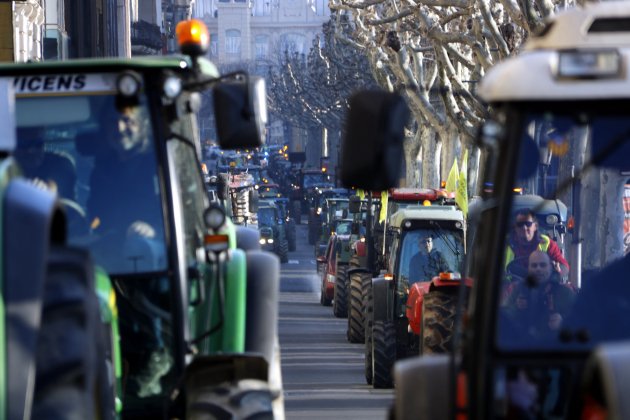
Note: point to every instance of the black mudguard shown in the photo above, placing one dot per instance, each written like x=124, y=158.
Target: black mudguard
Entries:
x=383, y=309
x=263, y=291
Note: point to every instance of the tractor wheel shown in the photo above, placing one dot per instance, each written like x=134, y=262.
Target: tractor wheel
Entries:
x=323, y=300
x=296, y=208
x=283, y=251
x=340, y=301
x=71, y=376
x=356, y=327
x=384, y=353
x=291, y=238
x=438, y=322
x=313, y=233
x=369, y=318
x=244, y=399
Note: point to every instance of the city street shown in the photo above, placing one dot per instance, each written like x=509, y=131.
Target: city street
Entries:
x=322, y=372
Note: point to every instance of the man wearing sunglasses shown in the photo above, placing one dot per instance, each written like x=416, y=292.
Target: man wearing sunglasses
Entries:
x=526, y=239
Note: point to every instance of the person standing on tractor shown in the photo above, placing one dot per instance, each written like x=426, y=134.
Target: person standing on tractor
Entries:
x=428, y=262
x=526, y=239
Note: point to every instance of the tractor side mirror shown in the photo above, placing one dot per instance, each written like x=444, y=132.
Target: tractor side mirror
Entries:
x=372, y=149
x=241, y=113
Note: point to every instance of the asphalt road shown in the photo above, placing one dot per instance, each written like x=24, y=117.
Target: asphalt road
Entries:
x=322, y=372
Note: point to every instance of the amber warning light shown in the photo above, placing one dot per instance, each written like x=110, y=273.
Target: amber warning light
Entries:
x=192, y=37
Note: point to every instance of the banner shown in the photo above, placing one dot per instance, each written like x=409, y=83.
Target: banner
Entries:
x=383, y=213
x=453, y=175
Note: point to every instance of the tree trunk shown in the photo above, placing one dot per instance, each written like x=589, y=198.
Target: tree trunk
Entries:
x=412, y=148
x=431, y=152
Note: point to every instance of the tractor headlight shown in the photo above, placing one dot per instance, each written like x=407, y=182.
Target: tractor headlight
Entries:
x=172, y=87
x=128, y=84
x=551, y=219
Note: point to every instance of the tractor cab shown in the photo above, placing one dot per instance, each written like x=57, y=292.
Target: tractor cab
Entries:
x=117, y=140
x=559, y=130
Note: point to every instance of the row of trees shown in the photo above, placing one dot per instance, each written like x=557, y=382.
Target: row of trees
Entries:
x=434, y=52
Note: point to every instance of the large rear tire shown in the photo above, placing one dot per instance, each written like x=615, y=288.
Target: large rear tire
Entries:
x=356, y=319
x=244, y=399
x=369, y=320
x=296, y=210
x=71, y=376
x=283, y=251
x=438, y=322
x=383, y=353
x=340, y=301
x=291, y=236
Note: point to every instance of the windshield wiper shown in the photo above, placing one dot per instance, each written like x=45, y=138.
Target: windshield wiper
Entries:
x=450, y=242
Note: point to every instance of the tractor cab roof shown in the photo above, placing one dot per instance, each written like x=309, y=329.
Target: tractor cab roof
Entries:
x=580, y=55
x=416, y=194
x=443, y=213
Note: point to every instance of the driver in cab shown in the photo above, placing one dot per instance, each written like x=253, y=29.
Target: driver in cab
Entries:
x=428, y=262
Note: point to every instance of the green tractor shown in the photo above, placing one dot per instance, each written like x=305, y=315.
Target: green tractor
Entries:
x=58, y=318
x=197, y=299
x=272, y=228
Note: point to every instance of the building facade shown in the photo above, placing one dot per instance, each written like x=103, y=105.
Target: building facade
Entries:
x=257, y=32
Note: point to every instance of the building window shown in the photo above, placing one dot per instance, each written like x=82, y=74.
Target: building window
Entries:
x=233, y=41
x=320, y=7
x=262, y=47
x=261, y=8
x=214, y=45
x=293, y=43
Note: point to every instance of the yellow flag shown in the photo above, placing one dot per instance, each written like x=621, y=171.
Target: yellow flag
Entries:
x=361, y=194
x=453, y=175
x=461, y=195
x=383, y=213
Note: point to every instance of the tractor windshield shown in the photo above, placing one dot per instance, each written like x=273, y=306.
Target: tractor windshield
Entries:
x=565, y=283
x=266, y=216
x=312, y=180
x=425, y=253
x=100, y=158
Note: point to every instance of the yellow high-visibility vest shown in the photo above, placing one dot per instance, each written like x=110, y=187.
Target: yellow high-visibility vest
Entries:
x=543, y=246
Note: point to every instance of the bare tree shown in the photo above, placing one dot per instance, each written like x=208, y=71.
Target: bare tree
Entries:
x=435, y=52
